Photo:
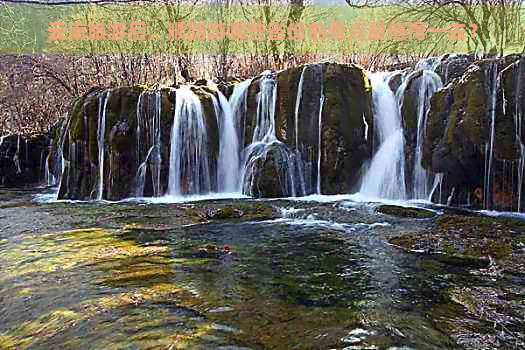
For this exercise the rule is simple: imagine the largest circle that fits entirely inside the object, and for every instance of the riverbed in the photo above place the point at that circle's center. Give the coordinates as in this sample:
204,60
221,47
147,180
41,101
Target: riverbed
257,274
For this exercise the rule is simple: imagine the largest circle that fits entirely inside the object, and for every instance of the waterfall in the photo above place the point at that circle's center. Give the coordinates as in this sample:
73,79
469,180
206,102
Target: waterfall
430,83
264,132
319,144
265,123
264,142
297,104
48,175
385,177
489,147
518,120
228,163
297,157
155,136
141,176
238,106
518,125
189,171
101,132
148,124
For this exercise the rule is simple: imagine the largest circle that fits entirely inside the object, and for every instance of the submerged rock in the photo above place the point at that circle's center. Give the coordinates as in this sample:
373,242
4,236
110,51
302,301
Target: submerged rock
405,212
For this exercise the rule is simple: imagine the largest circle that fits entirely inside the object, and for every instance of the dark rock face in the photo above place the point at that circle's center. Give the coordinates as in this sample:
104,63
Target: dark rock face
458,131
416,93
347,127
270,179
133,139
453,66
346,123
22,160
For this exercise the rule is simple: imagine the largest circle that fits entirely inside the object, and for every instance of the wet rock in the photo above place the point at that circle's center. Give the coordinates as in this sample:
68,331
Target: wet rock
269,178
226,212
397,79
129,139
415,93
346,124
453,66
22,160
458,130
405,212
470,239
347,127
121,160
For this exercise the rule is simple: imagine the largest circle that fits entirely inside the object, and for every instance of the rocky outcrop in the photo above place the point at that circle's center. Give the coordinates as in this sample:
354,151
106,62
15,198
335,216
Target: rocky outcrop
458,132
341,96
415,92
22,160
135,138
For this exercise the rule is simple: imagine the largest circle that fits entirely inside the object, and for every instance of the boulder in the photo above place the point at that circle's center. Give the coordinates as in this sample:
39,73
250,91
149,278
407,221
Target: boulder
136,145
458,131
22,160
346,121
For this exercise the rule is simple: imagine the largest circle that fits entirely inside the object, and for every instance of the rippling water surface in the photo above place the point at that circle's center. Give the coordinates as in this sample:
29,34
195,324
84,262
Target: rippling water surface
312,277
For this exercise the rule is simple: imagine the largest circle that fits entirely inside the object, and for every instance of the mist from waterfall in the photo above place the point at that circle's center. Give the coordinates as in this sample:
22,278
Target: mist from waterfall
385,176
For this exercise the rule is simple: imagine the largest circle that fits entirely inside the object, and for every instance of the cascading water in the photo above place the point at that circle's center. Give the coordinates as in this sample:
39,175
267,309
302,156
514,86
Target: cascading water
238,106
101,132
148,124
228,163
489,147
518,125
141,176
48,175
319,144
189,171
430,83
297,105
155,136
385,177
297,157
265,124
265,141
427,82
264,132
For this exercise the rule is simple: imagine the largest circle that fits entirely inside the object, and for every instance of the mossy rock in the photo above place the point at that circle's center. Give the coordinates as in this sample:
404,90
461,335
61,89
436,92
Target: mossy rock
244,211
459,128
123,153
405,212
346,115
21,160
439,122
